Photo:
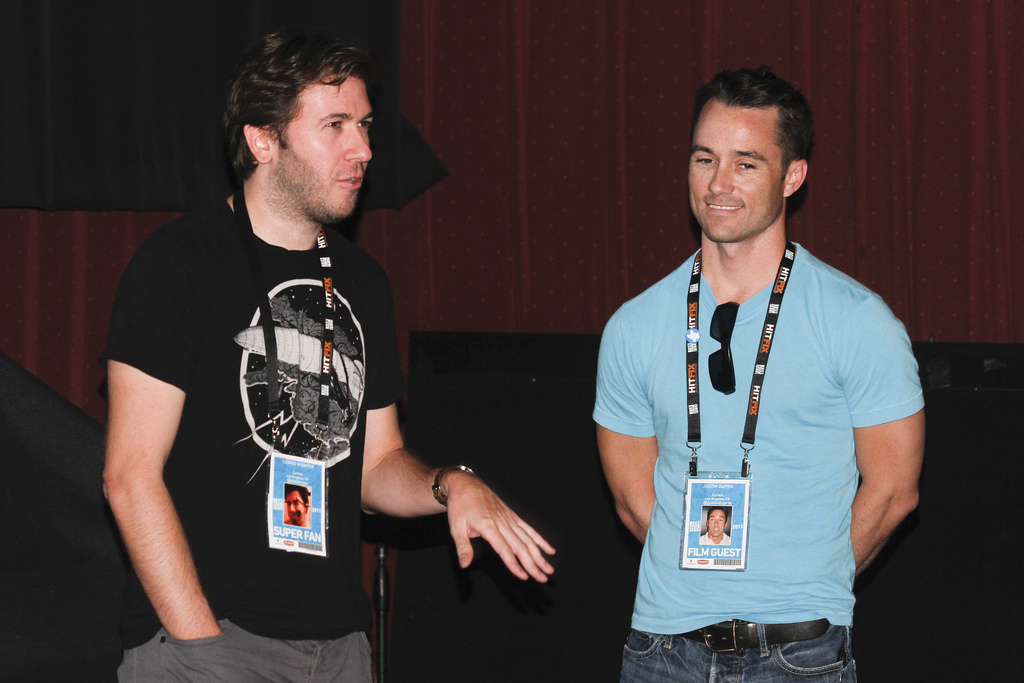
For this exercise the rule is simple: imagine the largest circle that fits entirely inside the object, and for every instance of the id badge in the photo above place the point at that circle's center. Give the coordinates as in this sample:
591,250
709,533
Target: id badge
716,507
297,505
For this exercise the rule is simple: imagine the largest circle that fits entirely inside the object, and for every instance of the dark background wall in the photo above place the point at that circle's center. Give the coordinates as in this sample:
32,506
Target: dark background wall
565,128
517,408
118,105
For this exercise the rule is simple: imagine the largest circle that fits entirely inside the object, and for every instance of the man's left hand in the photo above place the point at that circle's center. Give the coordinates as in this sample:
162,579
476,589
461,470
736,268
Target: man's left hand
475,511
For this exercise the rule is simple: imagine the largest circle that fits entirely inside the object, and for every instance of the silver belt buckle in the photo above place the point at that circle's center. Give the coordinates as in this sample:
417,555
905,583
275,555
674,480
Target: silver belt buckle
708,639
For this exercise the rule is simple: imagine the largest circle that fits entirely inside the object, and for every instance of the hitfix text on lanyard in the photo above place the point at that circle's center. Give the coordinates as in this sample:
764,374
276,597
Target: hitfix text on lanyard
760,364
267,323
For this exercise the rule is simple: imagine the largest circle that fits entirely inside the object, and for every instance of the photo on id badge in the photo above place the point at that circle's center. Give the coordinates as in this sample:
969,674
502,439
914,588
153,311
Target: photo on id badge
714,532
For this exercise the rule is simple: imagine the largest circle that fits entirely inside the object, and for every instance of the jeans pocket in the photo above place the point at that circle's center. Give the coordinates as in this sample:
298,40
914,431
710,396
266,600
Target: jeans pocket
822,655
214,659
641,644
226,629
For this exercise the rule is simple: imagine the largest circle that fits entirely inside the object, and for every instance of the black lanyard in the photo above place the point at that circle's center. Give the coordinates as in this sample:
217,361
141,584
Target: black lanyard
267,323
693,335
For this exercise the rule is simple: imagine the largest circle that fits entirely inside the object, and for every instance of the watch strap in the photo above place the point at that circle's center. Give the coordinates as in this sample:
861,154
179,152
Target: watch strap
439,495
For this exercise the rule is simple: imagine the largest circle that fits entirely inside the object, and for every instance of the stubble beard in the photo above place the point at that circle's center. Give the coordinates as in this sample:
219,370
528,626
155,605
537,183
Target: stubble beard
737,233
298,193
746,229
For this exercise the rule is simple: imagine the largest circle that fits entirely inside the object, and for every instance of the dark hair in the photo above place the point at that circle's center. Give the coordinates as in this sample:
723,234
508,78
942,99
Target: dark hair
761,89
265,87
717,507
303,491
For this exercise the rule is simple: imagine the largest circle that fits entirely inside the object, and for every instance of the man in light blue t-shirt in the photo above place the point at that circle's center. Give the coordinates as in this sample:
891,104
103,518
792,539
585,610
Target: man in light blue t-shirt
819,453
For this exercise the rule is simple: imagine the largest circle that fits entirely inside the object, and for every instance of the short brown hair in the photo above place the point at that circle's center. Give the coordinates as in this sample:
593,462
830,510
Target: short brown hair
265,87
762,89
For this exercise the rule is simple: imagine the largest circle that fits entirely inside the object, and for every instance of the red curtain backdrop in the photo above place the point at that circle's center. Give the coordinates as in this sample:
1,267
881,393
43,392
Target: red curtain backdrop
566,127
60,272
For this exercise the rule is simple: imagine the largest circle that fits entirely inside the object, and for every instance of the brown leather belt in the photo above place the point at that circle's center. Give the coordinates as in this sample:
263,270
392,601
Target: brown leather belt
738,635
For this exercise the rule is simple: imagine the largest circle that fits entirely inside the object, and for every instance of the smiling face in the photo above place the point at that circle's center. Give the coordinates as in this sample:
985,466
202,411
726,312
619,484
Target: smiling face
296,510
716,524
323,153
738,187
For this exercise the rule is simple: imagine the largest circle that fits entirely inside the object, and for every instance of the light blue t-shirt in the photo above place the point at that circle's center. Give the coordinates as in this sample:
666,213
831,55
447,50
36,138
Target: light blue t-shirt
839,360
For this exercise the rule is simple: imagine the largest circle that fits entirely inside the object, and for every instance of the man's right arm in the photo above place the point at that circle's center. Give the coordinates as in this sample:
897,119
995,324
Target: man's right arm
141,425
628,463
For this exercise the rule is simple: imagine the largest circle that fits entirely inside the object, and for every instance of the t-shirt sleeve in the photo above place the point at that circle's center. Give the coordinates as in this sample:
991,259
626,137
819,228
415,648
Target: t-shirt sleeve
622,403
385,381
877,364
153,326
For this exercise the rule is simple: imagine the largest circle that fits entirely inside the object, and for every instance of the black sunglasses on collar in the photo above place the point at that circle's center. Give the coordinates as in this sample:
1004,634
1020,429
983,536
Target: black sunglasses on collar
723,376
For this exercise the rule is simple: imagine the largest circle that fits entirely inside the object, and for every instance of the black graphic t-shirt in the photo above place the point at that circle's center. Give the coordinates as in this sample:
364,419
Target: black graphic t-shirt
187,313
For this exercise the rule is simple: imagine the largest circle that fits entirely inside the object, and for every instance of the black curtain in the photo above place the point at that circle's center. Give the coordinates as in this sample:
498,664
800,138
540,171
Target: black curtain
116,104
61,563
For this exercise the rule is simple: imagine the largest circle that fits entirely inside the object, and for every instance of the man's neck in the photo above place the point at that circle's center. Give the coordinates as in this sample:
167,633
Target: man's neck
736,272
274,226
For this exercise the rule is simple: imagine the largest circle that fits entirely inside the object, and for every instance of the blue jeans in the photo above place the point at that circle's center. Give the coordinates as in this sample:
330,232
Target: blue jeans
654,658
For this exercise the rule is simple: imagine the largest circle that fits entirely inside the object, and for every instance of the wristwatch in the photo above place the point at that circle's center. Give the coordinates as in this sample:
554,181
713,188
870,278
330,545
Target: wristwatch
439,495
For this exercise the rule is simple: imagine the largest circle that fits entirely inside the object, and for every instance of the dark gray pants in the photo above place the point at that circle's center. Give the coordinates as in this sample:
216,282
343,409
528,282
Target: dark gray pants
237,655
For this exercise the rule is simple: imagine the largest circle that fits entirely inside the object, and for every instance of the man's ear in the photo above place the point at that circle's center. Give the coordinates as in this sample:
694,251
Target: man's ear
262,143
795,176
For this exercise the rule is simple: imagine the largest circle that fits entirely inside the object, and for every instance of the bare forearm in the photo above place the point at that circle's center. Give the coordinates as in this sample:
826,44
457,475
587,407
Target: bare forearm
629,464
399,485
141,426
876,514
889,458
160,555
636,515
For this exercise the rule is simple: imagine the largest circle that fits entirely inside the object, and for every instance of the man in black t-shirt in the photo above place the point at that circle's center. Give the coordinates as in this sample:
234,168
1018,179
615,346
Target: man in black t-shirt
251,357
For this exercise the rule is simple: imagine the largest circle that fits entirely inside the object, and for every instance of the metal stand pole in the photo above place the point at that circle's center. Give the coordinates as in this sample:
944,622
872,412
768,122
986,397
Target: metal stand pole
381,598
